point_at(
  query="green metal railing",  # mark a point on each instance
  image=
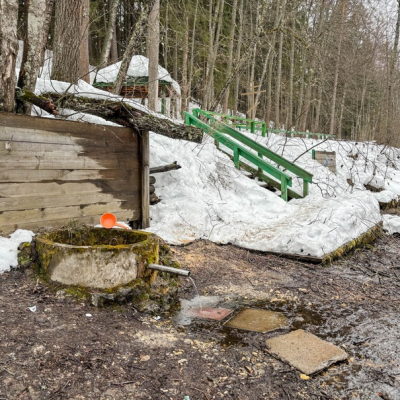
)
(243, 123)
(253, 126)
(219, 132)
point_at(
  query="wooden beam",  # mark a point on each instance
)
(145, 160)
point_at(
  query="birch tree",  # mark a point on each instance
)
(152, 51)
(38, 14)
(8, 53)
(110, 34)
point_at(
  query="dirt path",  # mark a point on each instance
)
(70, 350)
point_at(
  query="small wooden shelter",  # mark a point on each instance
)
(136, 84)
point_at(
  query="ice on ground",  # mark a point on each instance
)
(9, 248)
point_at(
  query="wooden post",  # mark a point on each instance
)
(145, 160)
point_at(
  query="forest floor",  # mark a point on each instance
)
(68, 349)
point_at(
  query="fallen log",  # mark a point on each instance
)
(115, 111)
(165, 168)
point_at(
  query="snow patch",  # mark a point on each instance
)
(9, 248)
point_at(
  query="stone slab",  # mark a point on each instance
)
(217, 314)
(256, 320)
(305, 351)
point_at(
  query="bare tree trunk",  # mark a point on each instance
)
(114, 43)
(46, 27)
(289, 119)
(280, 12)
(184, 105)
(230, 54)
(215, 30)
(269, 84)
(251, 87)
(392, 66)
(84, 46)
(70, 45)
(137, 33)
(37, 23)
(8, 53)
(302, 84)
(336, 78)
(339, 135)
(110, 34)
(318, 106)
(152, 49)
(237, 58)
(192, 53)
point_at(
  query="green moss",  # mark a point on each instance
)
(362, 241)
(24, 254)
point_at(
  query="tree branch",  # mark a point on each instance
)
(118, 112)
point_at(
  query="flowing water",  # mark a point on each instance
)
(194, 286)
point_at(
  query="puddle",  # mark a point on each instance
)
(256, 320)
(368, 333)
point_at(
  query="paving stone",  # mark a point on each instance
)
(217, 314)
(256, 320)
(305, 351)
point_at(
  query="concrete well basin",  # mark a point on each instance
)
(96, 257)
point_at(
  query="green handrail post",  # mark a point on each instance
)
(253, 126)
(284, 193)
(263, 129)
(305, 188)
(236, 155)
(187, 118)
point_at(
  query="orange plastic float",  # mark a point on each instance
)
(109, 220)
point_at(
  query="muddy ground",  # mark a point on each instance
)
(68, 349)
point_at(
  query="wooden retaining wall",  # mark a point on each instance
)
(54, 171)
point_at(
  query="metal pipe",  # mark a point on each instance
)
(171, 270)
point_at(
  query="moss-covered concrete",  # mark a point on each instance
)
(150, 291)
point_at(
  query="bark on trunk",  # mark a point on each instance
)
(70, 48)
(336, 78)
(36, 32)
(152, 51)
(110, 34)
(184, 102)
(230, 54)
(8, 53)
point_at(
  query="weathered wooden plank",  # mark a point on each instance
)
(58, 223)
(69, 212)
(63, 200)
(118, 150)
(65, 175)
(62, 188)
(145, 161)
(82, 129)
(55, 162)
(38, 136)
